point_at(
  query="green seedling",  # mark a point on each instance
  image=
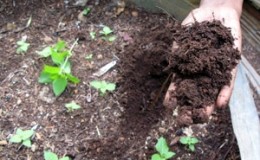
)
(22, 46)
(103, 86)
(163, 150)
(58, 74)
(92, 35)
(72, 106)
(23, 137)
(189, 142)
(86, 11)
(48, 155)
(107, 34)
(89, 57)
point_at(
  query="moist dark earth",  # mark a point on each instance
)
(123, 124)
(201, 60)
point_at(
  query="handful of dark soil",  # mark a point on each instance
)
(202, 58)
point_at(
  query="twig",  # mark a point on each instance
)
(70, 54)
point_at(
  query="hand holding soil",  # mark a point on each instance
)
(227, 14)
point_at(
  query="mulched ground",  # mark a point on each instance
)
(124, 124)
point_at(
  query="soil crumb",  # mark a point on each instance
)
(202, 59)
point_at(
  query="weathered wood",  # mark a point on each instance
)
(245, 119)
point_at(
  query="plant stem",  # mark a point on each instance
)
(70, 54)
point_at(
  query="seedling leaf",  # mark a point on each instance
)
(44, 78)
(60, 45)
(51, 69)
(110, 86)
(22, 46)
(89, 57)
(27, 143)
(72, 78)
(184, 140)
(48, 155)
(162, 146)
(46, 52)
(194, 140)
(168, 155)
(92, 35)
(192, 147)
(59, 85)
(86, 11)
(67, 67)
(111, 38)
(106, 31)
(72, 106)
(157, 157)
(27, 134)
(15, 139)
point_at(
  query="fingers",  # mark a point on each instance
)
(225, 93)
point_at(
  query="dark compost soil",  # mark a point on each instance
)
(202, 59)
(123, 125)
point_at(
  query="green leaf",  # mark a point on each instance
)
(51, 69)
(15, 139)
(59, 46)
(194, 140)
(64, 158)
(192, 147)
(44, 78)
(72, 78)
(96, 84)
(58, 58)
(26, 134)
(72, 106)
(19, 131)
(168, 155)
(67, 67)
(59, 85)
(89, 57)
(110, 86)
(27, 143)
(86, 11)
(184, 140)
(92, 35)
(48, 155)
(161, 146)
(111, 38)
(22, 46)
(106, 31)
(157, 157)
(46, 52)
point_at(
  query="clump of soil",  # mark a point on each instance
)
(202, 58)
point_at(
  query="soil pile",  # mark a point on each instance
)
(202, 58)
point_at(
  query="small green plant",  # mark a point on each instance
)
(107, 34)
(72, 106)
(58, 74)
(92, 35)
(103, 86)
(163, 150)
(189, 142)
(89, 57)
(23, 137)
(86, 11)
(22, 46)
(48, 155)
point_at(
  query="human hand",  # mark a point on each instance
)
(229, 15)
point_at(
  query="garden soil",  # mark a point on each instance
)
(122, 125)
